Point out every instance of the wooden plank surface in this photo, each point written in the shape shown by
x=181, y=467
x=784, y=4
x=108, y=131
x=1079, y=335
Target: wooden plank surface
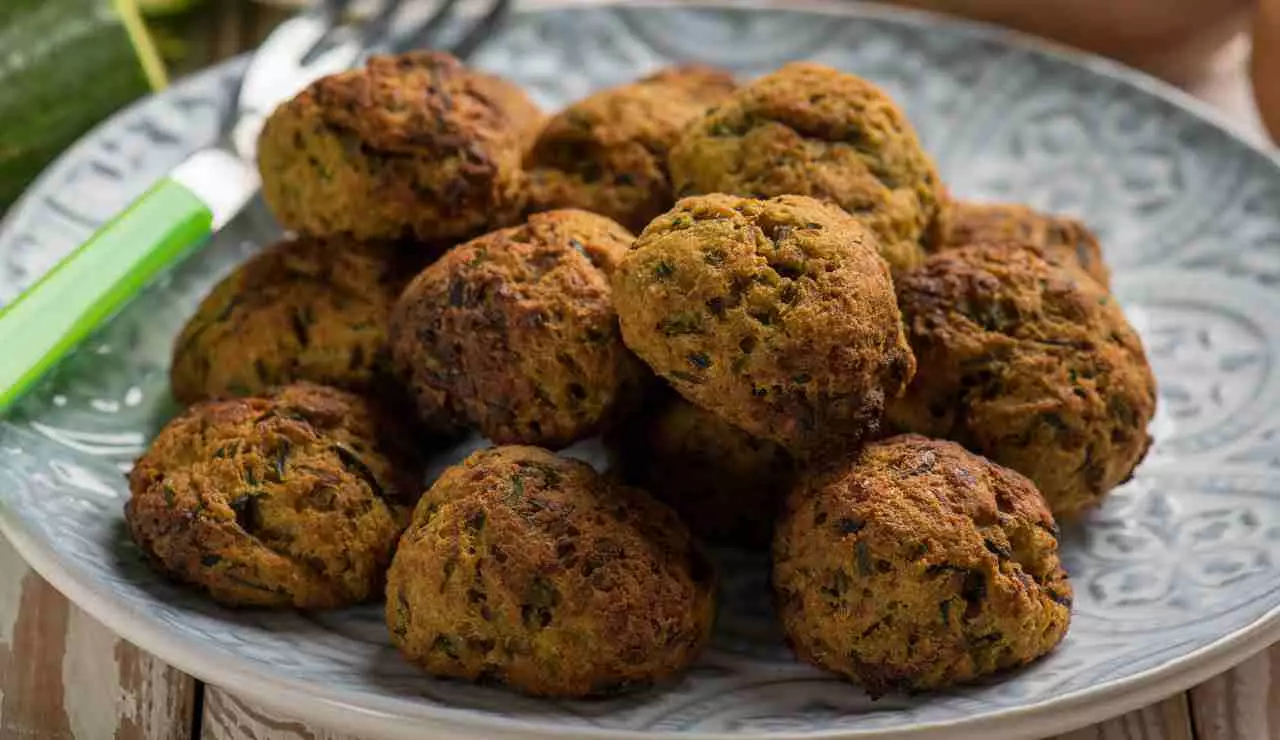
x=64, y=676
x=1242, y=704
x=226, y=717
x=1168, y=720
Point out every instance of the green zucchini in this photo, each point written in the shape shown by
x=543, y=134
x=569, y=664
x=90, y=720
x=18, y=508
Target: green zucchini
x=64, y=66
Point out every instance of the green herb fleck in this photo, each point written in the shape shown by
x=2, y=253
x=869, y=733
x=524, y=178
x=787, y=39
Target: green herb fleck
x=248, y=511
x=280, y=461
x=700, y=360
x=170, y=497
x=997, y=549
x=301, y=328
x=686, y=377
x=401, y=627
x=236, y=388
x=353, y=464
x=720, y=128
x=850, y=525
x=664, y=270
x=517, y=490
x=444, y=644
x=864, y=558
x=209, y=561
x=681, y=324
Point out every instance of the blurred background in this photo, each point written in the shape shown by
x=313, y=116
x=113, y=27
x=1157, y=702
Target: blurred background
x=67, y=64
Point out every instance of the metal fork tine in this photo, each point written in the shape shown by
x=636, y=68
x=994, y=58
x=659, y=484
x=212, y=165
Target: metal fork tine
x=483, y=29
x=421, y=36
x=373, y=32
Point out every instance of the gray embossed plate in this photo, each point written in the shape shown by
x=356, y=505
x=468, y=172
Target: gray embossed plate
x=1176, y=577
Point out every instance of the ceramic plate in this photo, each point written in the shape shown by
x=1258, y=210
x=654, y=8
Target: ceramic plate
x=1176, y=577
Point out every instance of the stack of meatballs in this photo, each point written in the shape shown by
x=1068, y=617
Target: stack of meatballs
x=759, y=295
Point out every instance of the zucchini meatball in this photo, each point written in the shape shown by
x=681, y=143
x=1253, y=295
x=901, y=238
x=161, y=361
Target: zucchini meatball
x=515, y=332
x=778, y=315
x=305, y=309
x=812, y=130
x=295, y=499
x=534, y=571
x=918, y=565
x=608, y=152
x=726, y=484
x=1063, y=240
x=1031, y=364
x=414, y=146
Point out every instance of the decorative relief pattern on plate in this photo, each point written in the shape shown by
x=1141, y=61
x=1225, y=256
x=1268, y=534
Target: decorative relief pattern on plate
x=1180, y=558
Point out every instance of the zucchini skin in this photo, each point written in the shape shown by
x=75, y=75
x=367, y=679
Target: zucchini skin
x=67, y=64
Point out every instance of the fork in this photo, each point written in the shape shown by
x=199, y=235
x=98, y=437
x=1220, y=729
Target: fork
x=205, y=191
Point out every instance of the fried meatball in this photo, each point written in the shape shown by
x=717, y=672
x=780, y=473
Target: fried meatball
x=919, y=565
x=1031, y=364
x=304, y=309
x=515, y=332
x=725, y=484
x=1064, y=240
x=778, y=315
x=535, y=571
x=292, y=499
x=524, y=114
x=608, y=152
x=412, y=146
x=811, y=130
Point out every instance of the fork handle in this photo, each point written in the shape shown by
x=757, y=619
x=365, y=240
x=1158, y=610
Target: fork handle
x=93, y=282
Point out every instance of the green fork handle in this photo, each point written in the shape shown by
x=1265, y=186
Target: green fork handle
x=84, y=290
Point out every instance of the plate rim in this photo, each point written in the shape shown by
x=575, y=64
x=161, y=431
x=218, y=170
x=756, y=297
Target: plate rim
x=402, y=717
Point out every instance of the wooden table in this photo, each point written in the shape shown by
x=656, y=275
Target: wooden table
x=63, y=675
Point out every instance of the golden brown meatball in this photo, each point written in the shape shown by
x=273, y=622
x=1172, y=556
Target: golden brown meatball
x=1064, y=240
x=608, y=152
x=777, y=315
x=1031, y=364
x=304, y=309
x=412, y=146
x=515, y=332
x=724, y=483
x=525, y=115
x=812, y=130
x=293, y=499
x=918, y=565
x=535, y=571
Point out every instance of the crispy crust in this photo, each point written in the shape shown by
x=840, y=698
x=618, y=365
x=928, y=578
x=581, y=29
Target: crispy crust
x=607, y=153
x=413, y=146
x=777, y=315
x=726, y=484
x=304, y=309
x=811, y=130
x=1031, y=364
x=918, y=565
x=295, y=499
x=515, y=332
x=1063, y=240
x=533, y=570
